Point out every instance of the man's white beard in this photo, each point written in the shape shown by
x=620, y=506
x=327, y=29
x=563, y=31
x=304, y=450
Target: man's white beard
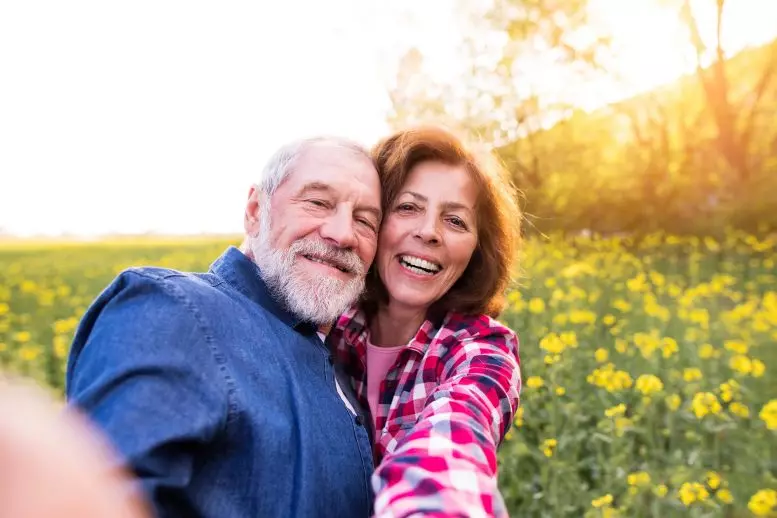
x=314, y=298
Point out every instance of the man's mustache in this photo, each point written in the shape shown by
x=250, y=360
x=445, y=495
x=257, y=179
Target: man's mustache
x=346, y=260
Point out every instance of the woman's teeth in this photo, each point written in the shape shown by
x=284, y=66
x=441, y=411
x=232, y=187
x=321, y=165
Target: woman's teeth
x=419, y=266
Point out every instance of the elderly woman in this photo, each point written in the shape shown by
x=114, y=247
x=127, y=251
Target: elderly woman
x=439, y=375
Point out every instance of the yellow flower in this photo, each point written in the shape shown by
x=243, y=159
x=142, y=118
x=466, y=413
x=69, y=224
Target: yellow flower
x=739, y=409
x=675, y=290
x=569, y=338
x=729, y=390
x=646, y=343
x=65, y=326
x=537, y=305
x=4, y=308
x=691, y=492
x=725, y=496
x=741, y=364
x=668, y=347
x=763, y=503
x=615, y=411
x=534, y=382
x=768, y=414
x=621, y=424
x=601, y=355
x=582, y=316
x=736, y=346
x=29, y=353
x=701, y=317
x=711, y=244
x=673, y=402
x=560, y=391
x=649, y=384
x=552, y=344
x=602, y=501
x=22, y=336
x=657, y=278
x=692, y=374
x=661, y=490
x=61, y=344
x=549, y=446
x=610, y=379
x=638, y=478
x=758, y=368
x=621, y=345
x=621, y=305
x=637, y=284
x=713, y=480
x=608, y=319
x=705, y=403
x=518, y=421
x=706, y=351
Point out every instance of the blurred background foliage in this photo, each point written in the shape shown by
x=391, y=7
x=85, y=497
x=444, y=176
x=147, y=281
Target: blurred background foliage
x=694, y=156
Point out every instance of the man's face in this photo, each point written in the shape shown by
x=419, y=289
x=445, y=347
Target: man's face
x=318, y=238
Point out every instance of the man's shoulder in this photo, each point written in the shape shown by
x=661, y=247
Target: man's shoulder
x=166, y=277
x=140, y=289
x=158, y=274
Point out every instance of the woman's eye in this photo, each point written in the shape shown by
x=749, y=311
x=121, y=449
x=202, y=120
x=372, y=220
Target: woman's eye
x=405, y=207
x=458, y=222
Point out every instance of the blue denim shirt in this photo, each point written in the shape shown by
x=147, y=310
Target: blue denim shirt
x=222, y=403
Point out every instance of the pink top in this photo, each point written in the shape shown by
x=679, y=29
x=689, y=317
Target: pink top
x=379, y=362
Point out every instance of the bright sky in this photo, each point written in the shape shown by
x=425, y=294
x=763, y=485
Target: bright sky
x=158, y=115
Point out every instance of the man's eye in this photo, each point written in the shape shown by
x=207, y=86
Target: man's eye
x=318, y=203
x=367, y=223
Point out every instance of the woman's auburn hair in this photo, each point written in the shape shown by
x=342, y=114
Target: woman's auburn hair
x=481, y=287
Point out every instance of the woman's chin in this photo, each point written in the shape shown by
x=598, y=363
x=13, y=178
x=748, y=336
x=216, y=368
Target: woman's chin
x=410, y=299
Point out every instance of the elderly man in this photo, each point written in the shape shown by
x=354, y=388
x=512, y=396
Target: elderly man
x=216, y=387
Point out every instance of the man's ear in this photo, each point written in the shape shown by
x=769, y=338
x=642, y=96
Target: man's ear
x=253, y=208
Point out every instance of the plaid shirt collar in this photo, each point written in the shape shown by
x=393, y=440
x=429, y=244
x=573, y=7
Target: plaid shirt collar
x=350, y=344
x=354, y=326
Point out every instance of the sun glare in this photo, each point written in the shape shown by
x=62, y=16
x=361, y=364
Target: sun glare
x=651, y=45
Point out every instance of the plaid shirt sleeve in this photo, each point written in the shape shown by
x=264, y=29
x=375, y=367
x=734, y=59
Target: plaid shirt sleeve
x=446, y=465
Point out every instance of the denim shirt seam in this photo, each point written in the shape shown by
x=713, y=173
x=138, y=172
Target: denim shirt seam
x=218, y=357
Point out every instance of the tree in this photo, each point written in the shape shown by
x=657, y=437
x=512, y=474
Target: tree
x=735, y=113
x=489, y=99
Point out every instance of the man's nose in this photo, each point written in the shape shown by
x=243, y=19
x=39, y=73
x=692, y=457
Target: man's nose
x=339, y=229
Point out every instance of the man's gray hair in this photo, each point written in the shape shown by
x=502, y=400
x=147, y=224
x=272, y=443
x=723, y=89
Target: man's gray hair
x=281, y=163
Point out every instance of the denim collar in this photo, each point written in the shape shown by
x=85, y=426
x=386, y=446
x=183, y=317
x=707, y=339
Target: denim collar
x=240, y=272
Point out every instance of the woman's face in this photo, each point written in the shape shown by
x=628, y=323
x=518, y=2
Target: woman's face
x=428, y=235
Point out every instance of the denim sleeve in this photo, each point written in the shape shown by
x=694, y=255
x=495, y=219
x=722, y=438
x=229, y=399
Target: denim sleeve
x=142, y=369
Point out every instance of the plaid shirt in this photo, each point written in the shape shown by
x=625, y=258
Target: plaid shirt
x=444, y=407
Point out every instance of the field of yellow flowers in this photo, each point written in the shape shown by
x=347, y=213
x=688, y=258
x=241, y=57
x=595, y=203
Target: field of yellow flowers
x=648, y=365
